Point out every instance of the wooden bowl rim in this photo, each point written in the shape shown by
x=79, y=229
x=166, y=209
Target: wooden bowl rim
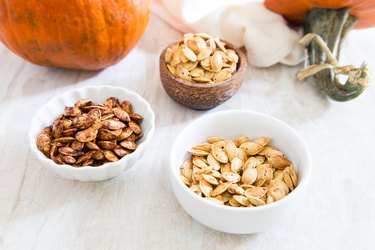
x=234, y=77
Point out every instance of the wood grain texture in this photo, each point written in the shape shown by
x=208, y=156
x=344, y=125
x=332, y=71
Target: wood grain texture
x=137, y=210
x=202, y=96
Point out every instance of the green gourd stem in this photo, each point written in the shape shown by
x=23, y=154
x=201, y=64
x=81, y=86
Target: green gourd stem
x=331, y=25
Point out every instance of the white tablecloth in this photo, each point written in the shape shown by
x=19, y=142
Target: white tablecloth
x=137, y=210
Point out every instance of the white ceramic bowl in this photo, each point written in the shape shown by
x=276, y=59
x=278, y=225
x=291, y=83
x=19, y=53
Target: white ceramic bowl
x=55, y=107
x=232, y=124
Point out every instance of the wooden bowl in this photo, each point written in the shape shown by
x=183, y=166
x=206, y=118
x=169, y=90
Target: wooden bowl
x=202, y=96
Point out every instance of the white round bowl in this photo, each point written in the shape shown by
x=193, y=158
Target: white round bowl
x=55, y=107
x=232, y=124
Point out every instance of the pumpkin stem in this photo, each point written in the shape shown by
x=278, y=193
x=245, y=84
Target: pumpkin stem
x=325, y=29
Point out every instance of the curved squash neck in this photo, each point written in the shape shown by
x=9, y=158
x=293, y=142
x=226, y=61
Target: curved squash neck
x=331, y=25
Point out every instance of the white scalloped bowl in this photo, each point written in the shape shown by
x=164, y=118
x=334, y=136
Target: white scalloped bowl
x=55, y=107
x=232, y=124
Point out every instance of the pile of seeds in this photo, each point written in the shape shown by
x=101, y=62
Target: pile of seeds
x=91, y=134
x=239, y=172
x=201, y=58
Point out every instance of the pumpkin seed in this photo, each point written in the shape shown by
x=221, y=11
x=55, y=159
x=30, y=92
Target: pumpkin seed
x=129, y=145
x=256, y=201
x=183, y=73
x=230, y=176
x=44, y=143
x=257, y=192
x=205, y=187
x=202, y=79
x=233, y=202
x=210, y=179
x=223, y=173
x=241, y=199
x=113, y=124
x=230, y=149
x=168, y=55
x=110, y=156
x=235, y=189
x=69, y=151
x=241, y=140
x=236, y=165
x=86, y=135
x=279, y=161
x=107, y=144
x=213, y=162
x=251, y=148
x=216, y=62
x=219, y=154
x=249, y=176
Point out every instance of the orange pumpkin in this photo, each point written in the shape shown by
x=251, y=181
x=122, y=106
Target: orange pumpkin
x=294, y=10
x=74, y=34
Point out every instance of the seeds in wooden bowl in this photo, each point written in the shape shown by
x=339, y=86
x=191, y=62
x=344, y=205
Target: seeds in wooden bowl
x=239, y=172
x=201, y=58
x=92, y=134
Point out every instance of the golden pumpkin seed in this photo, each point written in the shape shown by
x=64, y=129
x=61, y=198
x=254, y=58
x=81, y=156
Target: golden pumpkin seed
x=233, y=202
x=251, y=148
x=221, y=188
x=293, y=175
x=279, y=161
x=213, y=162
x=230, y=176
x=210, y=179
x=235, y=189
x=172, y=69
x=219, y=154
x=241, y=199
x=256, y=201
x=168, y=55
x=219, y=44
x=252, y=162
x=257, y=192
x=204, y=56
x=232, y=56
x=190, y=65
x=249, y=176
x=225, y=167
x=199, y=162
x=183, y=73
x=288, y=179
x=197, y=72
x=202, y=79
x=214, y=139
x=230, y=149
x=241, y=140
x=193, y=45
x=189, y=54
x=185, y=180
x=205, y=187
x=276, y=192
x=208, y=74
x=236, y=165
x=216, y=63
x=263, y=141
